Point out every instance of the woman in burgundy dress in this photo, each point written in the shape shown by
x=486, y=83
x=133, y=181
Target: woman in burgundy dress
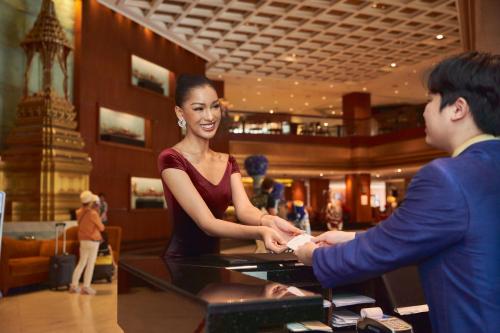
x=199, y=183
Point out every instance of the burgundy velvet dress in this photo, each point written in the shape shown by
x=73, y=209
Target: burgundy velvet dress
x=187, y=238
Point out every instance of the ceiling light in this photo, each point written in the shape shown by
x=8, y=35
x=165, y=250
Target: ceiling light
x=331, y=85
x=406, y=83
x=396, y=92
x=330, y=106
x=291, y=95
x=259, y=79
x=399, y=170
x=296, y=83
x=258, y=92
x=377, y=175
x=290, y=109
x=271, y=111
x=393, y=65
x=333, y=112
x=323, y=97
x=243, y=99
x=219, y=76
x=306, y=103
x=321, y=174
x=440, y=36
x=275, y=102
x=325, y=124
x=364, y=89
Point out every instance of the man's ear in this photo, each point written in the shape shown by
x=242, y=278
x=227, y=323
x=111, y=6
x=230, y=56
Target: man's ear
x=461, y=109
x=179, y=112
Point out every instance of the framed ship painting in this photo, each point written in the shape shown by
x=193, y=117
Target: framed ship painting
x=121, y=127
x=150, y=76
x=146, y=193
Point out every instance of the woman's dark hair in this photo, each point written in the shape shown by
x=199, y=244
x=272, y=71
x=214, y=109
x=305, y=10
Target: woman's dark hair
x=267, y=184
x=475, y=77
x=187, y=82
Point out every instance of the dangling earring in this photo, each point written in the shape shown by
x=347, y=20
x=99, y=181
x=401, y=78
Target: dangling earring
x=182, y=123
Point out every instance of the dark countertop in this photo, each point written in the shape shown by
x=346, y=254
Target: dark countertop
x=209, y=296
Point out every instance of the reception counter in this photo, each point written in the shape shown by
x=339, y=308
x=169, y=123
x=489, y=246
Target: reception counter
x=221, y=293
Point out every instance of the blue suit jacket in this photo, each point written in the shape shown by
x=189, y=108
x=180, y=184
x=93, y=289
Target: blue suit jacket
x=448, y=224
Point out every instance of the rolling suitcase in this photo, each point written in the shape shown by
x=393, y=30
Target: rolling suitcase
x=103, y=268
x=61, y=265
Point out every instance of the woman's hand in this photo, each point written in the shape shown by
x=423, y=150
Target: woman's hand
x=284, y=228
x=334, y=237
x=272, y=240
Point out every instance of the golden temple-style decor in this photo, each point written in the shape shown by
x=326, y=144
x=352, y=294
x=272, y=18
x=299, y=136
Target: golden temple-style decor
x=45, y=165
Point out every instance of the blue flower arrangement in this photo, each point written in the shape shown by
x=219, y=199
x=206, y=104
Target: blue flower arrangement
x=256, y=165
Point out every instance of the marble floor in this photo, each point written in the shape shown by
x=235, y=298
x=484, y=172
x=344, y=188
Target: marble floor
x=60, y=312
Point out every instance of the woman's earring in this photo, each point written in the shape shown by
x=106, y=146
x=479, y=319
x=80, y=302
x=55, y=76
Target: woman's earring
x=182, y=123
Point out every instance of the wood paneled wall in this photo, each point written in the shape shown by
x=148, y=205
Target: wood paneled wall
x=105, y=42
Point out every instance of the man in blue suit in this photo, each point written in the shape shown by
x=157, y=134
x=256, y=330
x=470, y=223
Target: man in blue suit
x=449, y=222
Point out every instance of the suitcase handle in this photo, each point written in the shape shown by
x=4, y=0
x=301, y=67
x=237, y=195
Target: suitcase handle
x=58, y=225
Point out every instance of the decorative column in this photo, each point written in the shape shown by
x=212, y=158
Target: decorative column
x=45, y=165
x=356, y=112
x=357, y=188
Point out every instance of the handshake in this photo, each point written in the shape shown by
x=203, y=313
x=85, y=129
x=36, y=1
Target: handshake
x=304, y=245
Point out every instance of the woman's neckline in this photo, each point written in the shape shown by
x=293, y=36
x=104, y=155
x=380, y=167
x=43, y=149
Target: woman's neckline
x=199, y=173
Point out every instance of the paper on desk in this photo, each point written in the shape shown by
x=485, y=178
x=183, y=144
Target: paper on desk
x=343, y=318
x=308, y=326
x=340, y=300
x=298, y=241
x=412, y=309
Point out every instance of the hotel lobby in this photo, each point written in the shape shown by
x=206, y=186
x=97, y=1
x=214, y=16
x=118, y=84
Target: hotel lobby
x=326, y=98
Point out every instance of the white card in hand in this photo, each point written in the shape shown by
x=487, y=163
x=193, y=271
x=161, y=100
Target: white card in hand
x=298, y=241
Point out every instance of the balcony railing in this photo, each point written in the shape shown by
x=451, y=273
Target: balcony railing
x=381, y=122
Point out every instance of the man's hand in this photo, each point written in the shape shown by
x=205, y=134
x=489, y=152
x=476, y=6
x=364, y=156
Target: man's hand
x=305, y=253
x=284, y=228
x=334, y=237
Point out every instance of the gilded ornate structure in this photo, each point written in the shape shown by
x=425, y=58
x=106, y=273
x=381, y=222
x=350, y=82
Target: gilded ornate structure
x=45, y=165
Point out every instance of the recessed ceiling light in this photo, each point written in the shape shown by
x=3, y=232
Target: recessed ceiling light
x=323, y=97
x=275, y=102
x=377, y=175
x=331, y=85
x=333, y=112
x=406, y=83
x=306, y=103
x=440, y=36
x=330, y=106
x=325, y=124
x=292, y=96
x=414, y=71
x=258, y=92
x=290, y=109
x=364, y=89
x=396, y=92
x=399, y=170
x=296, y=83
x=243, y=99
x=271, y=111
x=321, y=174
x=259, y=79
x=393, y=65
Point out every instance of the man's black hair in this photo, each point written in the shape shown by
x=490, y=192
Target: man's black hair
x=475, y=77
